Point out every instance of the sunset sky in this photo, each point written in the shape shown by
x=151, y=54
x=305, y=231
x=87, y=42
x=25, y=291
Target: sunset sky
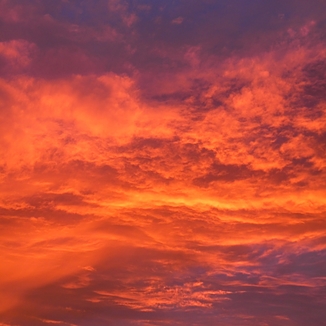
x=163, y=162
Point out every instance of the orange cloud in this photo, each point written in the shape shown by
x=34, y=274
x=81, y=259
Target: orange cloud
x=189, y=190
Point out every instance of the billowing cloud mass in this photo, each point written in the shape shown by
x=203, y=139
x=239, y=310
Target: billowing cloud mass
x=163, y=162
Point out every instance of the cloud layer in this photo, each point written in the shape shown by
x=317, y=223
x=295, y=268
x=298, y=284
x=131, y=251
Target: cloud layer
x=162, y=163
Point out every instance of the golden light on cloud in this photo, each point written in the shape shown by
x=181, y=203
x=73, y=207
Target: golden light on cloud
x=162, y=164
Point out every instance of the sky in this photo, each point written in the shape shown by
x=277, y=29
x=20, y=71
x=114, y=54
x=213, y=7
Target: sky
x=162, y=162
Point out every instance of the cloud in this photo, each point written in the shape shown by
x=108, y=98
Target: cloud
x=162, y=163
